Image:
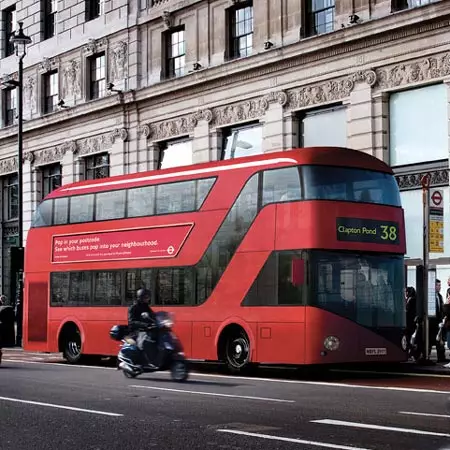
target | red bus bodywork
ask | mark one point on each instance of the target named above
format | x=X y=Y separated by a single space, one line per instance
x=277 y=334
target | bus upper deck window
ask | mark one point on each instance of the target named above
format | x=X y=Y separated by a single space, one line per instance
x=43 y=215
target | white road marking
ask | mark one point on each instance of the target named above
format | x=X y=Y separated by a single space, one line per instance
x=212 y=394
x=410 y=413
x=377 y=427
x=51 y=405
x=292 y=440
x=265 y=380
x=23 y=361
x=368 y=372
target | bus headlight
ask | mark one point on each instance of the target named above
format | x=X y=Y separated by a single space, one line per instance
x=331 y=343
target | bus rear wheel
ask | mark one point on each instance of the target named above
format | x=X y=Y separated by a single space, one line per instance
x=237 y=350
x=71 y=344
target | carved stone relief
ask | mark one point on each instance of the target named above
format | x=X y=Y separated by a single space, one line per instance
x=9 y=77
x=71 y=79
x=119 y=66
x=166 y=17
x=95 y=45
x=30 y=94
x=81 y=147
x=413 y=181
x=48 y=64
x=329 y=91
x=238 y=112
x=53 y=154
x=413 y=72
x=169 y=128
x=8 y=165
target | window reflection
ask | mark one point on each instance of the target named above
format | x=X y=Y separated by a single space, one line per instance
x=366 y=289
x=351 y=185
x=243 y=142
x=110 y=205
x=280 y=185
x=176 y=154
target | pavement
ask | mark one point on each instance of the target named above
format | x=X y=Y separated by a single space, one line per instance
x=49 y=405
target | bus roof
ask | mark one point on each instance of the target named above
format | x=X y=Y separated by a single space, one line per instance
x=329 y=156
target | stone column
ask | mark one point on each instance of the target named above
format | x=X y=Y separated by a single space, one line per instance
x=201 y=148
x=380 y=111
x=68 y=168
x=291 y=132
x=359 y=122
x=216 y=144
x=118 y=152
x=30 y=201
x=273 y=128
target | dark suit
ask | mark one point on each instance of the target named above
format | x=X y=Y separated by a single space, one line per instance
x=434 y=328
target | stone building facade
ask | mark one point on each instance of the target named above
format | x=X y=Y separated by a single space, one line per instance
x=114 y=87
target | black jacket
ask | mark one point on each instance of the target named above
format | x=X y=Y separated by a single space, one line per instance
x=135 y=321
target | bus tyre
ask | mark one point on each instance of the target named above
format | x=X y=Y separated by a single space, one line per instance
x=237 y=351
x=72 y=346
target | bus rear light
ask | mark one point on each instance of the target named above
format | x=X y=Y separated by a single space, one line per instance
x=331 y=343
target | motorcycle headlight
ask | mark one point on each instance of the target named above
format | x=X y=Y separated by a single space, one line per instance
x=331 y=343
x=167 y=322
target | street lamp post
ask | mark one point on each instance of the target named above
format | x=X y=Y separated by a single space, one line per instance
x=20 y=42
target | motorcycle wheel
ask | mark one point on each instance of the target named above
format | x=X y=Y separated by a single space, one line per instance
x=179 y=371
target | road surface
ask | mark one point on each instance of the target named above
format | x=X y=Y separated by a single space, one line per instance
x=56 y=406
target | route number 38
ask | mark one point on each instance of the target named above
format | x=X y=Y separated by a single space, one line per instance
x=388 y=233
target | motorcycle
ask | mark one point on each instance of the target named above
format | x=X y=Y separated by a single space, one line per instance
x=170 y=355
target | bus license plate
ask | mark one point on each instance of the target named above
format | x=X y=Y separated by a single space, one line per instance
x=376 y=351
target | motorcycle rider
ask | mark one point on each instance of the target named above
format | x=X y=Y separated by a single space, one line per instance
x=138 y=326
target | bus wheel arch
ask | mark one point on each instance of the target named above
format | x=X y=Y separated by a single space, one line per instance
x=234 y=347
x=70 y=342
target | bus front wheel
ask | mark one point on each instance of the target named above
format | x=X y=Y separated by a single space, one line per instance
x=235 y=349
x=71 y=344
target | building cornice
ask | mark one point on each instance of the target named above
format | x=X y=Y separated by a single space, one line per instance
x=396 y=27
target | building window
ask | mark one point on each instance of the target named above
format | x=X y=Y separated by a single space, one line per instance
x=242 y=141
x=175 y=154
x=97 y=76
x=399 y=5
x=418 y=125
x=94 y=9
x=11 y=194
x=319 y=16
x=97 y=166
x=10 y=96
x=240 y=28
x=334 y=120
x=51 y=92
x=10 y=24
x=51 y=178
x=176 y=53
x=49 y=10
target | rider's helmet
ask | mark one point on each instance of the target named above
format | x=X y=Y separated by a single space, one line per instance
x=143 y=295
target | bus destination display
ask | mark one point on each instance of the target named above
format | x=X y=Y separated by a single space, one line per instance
x=367 y=230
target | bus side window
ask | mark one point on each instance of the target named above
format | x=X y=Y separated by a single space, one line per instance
x=175 y=197
x=81 y=208
x=203 y=188
x=43 y=215
x=141 y=201
x=110 y=205
x=281 y=185
x=61 y=211
x=59 y=288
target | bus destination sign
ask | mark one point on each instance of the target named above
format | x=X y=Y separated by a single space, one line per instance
x=367 y=230
x=143 y=243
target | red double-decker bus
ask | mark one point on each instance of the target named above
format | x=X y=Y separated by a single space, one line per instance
x=294 y=257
